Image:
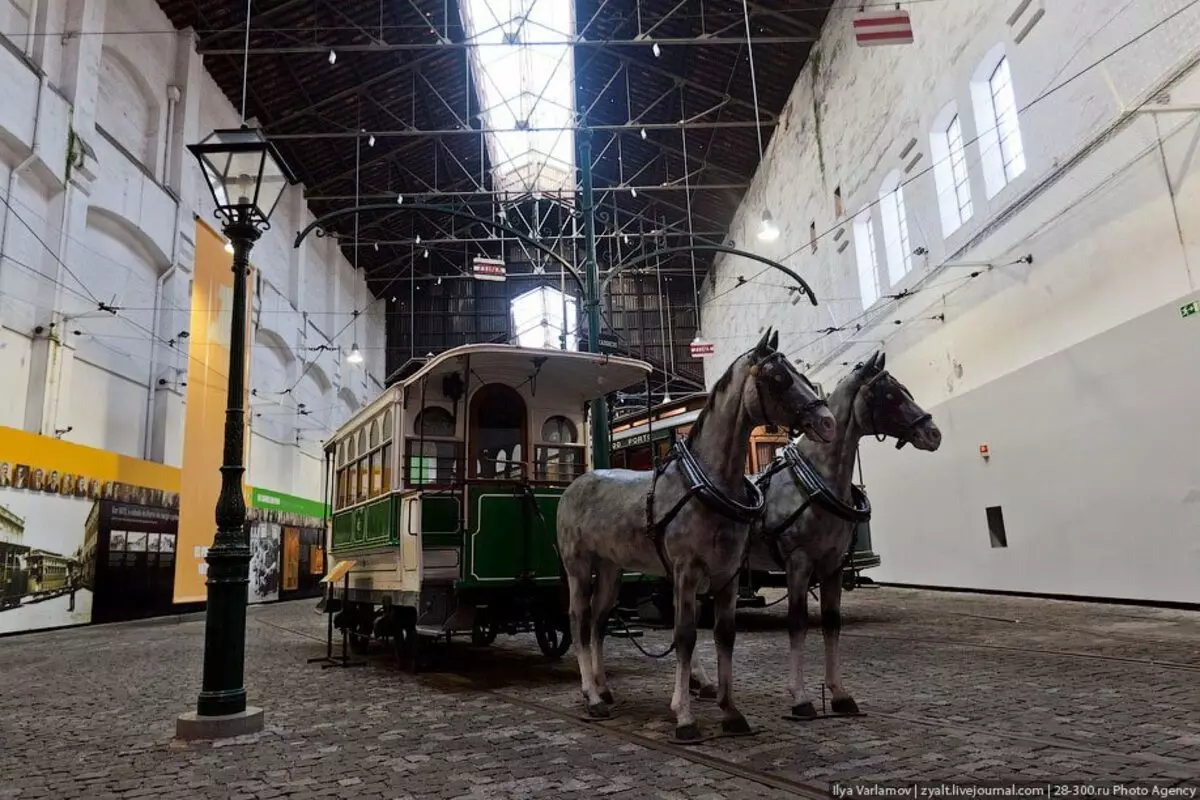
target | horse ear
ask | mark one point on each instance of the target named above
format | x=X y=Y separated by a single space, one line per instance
x=775 y=341
x=764 y=342
x=882 y=358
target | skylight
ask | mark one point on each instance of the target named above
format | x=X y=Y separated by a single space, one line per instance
x=540 y=315
x=527 y=90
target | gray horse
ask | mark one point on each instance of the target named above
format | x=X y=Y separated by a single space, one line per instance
x=686 y=521
x=809 y=531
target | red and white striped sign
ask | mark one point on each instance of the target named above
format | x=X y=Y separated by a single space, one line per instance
x=701 y=349
x=489 y=269
x=874 y=28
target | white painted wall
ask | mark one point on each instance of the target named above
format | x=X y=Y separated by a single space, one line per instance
x=1077 y=369
x=118 y=227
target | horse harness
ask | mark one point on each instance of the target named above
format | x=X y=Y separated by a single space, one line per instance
x=816 y=490
x=701 y=487
x=909 y=427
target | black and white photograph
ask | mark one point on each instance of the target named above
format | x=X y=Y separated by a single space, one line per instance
x=41 y=553
x=264 y=562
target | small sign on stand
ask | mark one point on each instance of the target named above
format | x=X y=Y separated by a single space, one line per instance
x=340 y=571
x=701 y=348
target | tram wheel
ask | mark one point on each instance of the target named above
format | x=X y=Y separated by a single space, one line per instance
x=553 y=637
x=484 y=631
x=360 y=640
x=403 y=631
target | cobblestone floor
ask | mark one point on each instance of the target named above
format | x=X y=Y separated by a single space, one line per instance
x=954 y=687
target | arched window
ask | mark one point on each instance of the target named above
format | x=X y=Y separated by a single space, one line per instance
x=868 y=262
x=387 y=425
x=350 y=451
x=895 y=228
x=341 y=454
x=434 y=421
x=1000 y=148
x=374 y=440
x=560 y=430
x=950 y=170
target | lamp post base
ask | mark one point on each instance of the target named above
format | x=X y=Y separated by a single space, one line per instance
x=191 y=726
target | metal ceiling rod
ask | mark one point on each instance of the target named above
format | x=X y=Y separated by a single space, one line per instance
x=517 y=196
x=630 y=127
x=323 y=49
x=323 y=221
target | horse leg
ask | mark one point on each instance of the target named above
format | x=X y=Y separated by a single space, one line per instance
x=724 y=634
x=579 y=581
x=798 y=574
x=604 y=599
x=700 y=683
x=686 y=580
x=831 y=627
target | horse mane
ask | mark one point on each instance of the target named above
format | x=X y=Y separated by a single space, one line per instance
x=718 y=389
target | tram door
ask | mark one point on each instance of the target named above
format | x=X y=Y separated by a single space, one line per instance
x=499 y=431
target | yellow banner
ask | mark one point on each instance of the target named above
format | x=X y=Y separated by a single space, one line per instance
x=204 y=419
x=43 y=464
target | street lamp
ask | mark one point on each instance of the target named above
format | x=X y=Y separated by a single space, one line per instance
x=247 y=178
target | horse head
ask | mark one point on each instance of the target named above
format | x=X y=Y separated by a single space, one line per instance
x=779 y=394
x=883 y=406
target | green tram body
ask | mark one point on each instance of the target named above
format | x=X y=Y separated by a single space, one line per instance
x=444 y=544
x=638 y=440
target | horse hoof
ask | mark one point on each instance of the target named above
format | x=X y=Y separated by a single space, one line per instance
x=607 y=697
x=688 y=733
x=736 y=724
x=707 y=693
x=804 y=711
x=844 y=705
x=599 y=711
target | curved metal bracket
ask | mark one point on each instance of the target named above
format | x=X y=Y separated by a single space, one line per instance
x=716 y=248
x=453 y=212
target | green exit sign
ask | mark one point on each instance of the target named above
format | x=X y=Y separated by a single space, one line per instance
x=1188 y=309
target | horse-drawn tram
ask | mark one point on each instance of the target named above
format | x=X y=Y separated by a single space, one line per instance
x=640 y=440
x=446 y=489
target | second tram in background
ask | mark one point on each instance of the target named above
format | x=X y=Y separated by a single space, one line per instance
x=641 y=440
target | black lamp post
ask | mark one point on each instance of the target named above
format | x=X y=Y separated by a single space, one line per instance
x=247 y=178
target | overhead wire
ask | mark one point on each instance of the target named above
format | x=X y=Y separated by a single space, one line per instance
x=1036 y=100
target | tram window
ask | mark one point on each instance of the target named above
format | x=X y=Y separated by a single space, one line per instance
x=386 y=459
x=374 y=440
x=362 y=442
x=763 y=453
x=376 y=475
x=560 y=430
x=387 y=425
x=341 y=458
x=434 y=421
x=364 y=479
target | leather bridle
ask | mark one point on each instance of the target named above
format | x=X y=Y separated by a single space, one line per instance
x=806 y=409
x=907 y=429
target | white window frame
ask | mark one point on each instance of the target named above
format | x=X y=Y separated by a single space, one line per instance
x=867 y=257
x=894 y=217
x=950 y=173
x=1001 y=150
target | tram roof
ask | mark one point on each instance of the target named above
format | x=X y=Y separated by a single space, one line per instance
x=585 y=375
